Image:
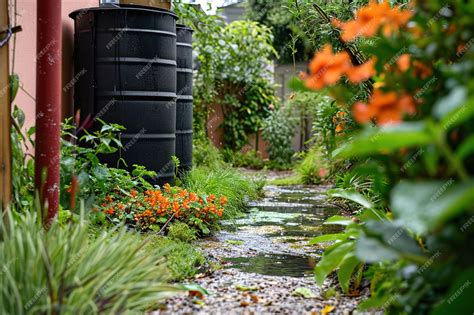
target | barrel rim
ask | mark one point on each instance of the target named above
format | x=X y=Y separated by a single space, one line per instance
x=130 y=7
x=184 y=27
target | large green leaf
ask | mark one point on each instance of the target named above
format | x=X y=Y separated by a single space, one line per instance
x=346 y=270
x=372 y=250
x=328 y=238
x=459 y=298
x=394 y=237
x=331 y=260
x=338 y=220
x=386 y=139
x=351 y=195
x=426 y=205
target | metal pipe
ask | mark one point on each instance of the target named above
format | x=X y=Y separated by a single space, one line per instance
x=5 y=121
x=48 y=105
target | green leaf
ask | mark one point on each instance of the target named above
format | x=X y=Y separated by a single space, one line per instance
x=14 y=86
x=386 y=140
x=458 y=116
x=339 y=220
x=450 y=103
x=331 y=260
x=424 y=206
x=351 y=195
x=346 y=270
x=466 y=148
x=304 y=292
x=393 y=235
x=297 y=85
x=372 y=250
x=328 y=238
x=459 y=298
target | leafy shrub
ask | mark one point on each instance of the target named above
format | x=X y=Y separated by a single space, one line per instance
x=152 y=209
x=63 y=270
x=95 y=179
x=205 y=153
x=251 y=159
x=313 y=169
x=223 y=182
x=414 y=218
x=182 y=232
x=278 y=131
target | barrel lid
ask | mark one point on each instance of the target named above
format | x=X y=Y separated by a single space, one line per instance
x=130 y=7
x=184 y=27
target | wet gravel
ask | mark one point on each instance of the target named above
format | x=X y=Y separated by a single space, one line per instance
x=235 y=292
x=259 y=261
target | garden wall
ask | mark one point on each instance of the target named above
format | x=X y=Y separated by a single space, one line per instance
x=25 y=55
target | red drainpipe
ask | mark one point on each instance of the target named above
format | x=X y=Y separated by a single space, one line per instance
x=48 y=104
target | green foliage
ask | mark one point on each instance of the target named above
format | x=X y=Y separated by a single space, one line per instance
x=22 y=162
x=63 y=270
x=182 y=259
x=233 y=72
x=278 y=131
x=412 y=183
x=182 y=232
x=205 y=153
x=223 y=181
x=95 y=179
x=250 y=159
x=314 y=168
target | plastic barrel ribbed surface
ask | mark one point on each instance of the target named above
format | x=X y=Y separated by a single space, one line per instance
x=184 y=103
x=125 y=65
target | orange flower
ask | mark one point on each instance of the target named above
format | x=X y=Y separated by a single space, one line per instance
x=211 y=198
x=371 y=18
x=358 y=74
x=326 y=68
x=403 y=62
x=193 y=197
x=339 y=128
x=322 y=172
x=167 y=187
x=134 y=193
x=341 y=114
x=223 y=200
x=110 y=211
x=385 y=108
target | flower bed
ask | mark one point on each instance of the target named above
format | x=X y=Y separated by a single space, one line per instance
x=156 y=209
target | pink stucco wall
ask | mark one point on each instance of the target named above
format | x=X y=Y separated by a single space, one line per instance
x=25 y=54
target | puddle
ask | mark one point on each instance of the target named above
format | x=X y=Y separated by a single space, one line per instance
x=273 y=238
x=274 y=265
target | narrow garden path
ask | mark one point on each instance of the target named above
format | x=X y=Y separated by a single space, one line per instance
x=263 y=263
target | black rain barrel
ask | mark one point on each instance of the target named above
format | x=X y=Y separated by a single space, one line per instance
x=125 y=65
x=184 y=102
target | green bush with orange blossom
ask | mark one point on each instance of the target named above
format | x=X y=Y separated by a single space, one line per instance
x=156 y=209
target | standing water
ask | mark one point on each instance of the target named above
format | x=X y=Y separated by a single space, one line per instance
x=274 y=237
x=262 y=262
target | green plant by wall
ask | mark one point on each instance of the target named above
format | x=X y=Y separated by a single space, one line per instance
x=278 y=132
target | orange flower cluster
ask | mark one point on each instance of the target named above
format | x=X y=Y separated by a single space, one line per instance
x=153 y=207
x=326 y=68
x=384 y=108
x=371 y=18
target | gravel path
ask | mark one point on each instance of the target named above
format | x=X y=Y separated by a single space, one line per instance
x=262 y=263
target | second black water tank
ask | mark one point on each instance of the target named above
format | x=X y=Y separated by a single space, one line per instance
x=184 y=102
